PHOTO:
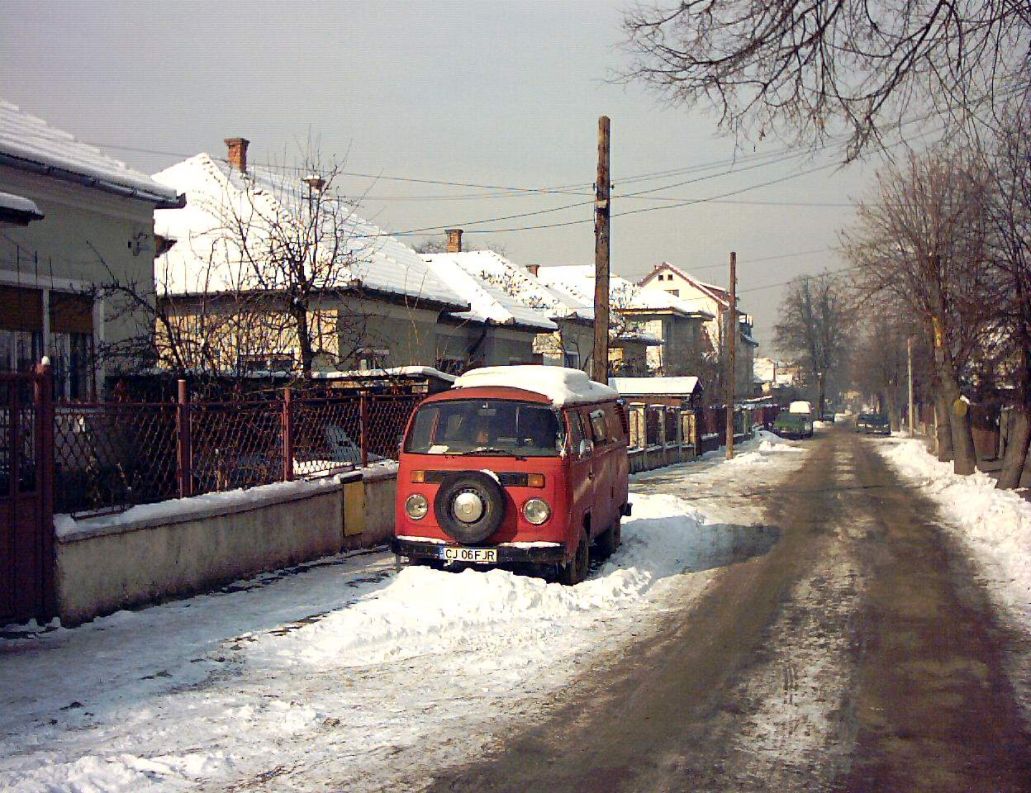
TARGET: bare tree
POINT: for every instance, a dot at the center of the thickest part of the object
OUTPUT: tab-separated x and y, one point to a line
878	364
297	242
923	241
818	68
813	327
1009	214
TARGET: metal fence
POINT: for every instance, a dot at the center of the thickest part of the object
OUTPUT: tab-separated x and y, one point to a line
112	455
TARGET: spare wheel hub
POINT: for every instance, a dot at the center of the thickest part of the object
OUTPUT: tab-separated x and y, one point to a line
468	507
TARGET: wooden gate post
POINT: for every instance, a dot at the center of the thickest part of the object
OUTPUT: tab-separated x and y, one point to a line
288	436
44	398
363	417
184	443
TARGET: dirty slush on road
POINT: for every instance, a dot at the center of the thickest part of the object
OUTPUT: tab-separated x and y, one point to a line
858	653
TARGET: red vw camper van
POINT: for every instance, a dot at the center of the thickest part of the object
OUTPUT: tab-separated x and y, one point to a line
515	464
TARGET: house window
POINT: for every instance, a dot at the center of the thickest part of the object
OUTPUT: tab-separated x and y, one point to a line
264	362
571	359
372	358
71	345
21	328
451	365
674	292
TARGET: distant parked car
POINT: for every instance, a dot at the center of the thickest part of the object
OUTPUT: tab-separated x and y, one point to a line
793	425
827	416
873	424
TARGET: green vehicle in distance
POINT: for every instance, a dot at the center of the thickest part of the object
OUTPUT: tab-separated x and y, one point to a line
793	425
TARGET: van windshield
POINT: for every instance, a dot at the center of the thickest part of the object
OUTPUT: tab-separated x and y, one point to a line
486	427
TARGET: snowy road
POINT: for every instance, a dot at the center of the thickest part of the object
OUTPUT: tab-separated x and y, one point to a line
861	652
343	675
792	620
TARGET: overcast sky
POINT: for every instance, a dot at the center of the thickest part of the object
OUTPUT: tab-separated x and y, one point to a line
485	93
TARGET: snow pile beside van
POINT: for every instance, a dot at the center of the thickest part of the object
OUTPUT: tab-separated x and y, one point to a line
994	524
425	611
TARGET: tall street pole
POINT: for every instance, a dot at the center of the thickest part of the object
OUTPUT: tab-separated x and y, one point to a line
909	365
600	366
731	353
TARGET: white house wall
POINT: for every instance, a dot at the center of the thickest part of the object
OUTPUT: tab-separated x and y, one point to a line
86	238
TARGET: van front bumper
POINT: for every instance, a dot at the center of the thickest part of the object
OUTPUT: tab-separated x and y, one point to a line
508	553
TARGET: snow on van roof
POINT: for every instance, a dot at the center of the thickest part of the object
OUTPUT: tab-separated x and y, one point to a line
561	386
800	406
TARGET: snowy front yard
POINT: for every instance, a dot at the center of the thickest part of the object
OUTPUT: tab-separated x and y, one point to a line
345	674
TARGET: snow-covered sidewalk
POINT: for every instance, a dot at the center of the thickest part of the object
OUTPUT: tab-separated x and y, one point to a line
345	674
994	525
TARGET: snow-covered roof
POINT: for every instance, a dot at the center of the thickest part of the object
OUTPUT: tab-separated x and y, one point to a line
18	208
562	386
29	143
519	284
394	371
672	386
488	297
207	258
578	281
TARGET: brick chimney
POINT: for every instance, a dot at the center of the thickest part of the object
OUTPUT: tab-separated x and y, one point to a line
454	240
533	268
237	153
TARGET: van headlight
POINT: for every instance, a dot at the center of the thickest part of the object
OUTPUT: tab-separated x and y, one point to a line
536	511
416	507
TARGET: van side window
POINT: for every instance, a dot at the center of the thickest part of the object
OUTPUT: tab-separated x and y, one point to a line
599	430
576	432
616	418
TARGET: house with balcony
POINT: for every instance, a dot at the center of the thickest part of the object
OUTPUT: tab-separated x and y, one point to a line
77	223
669	330
714	301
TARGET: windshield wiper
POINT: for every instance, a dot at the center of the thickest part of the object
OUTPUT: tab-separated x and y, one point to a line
491	450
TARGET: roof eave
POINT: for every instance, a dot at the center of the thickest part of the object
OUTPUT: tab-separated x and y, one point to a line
159	200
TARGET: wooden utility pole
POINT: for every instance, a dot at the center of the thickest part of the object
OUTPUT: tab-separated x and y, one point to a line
909	366
600	366
731	353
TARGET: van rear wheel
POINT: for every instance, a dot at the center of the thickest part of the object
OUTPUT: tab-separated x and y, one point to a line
575	570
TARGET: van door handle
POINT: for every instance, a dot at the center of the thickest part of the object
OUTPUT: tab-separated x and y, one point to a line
590	474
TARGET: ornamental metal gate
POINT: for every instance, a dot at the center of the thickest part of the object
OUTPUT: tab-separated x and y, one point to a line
26	496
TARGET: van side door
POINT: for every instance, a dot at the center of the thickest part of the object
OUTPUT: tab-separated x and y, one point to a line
580	485
604	511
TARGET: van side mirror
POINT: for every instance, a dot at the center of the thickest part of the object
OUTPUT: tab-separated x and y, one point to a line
586	447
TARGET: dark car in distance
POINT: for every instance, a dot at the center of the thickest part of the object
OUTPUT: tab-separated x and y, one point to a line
873	424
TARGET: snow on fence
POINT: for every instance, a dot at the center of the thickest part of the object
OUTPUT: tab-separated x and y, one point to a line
112	455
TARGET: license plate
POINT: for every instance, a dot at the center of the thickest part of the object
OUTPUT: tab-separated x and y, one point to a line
474	555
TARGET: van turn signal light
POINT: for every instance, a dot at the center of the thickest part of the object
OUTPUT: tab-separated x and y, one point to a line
418	477
535	480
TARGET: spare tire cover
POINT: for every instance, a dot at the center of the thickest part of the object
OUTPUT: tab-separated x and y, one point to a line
483	486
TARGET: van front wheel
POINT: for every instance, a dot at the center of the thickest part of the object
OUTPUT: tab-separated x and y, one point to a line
608	541
575	570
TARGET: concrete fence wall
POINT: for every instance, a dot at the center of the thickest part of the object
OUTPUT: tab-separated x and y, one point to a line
148	555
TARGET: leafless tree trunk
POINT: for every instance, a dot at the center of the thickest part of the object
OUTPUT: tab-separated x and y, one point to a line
814	326
1010	213
924	241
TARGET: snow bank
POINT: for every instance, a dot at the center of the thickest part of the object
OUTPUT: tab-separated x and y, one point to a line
426	611
994	524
